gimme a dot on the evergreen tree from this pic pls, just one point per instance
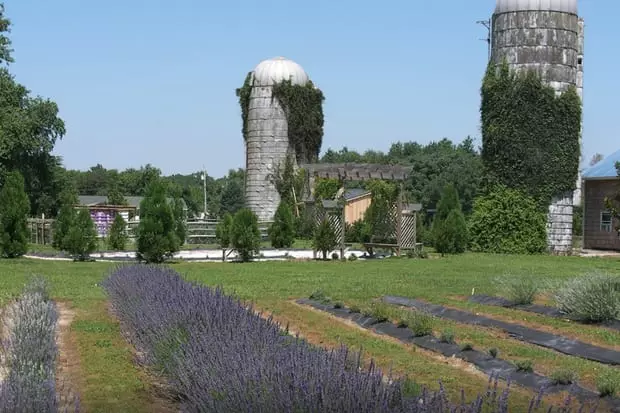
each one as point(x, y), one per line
point(282, 231)
point(64, 219)
point(81, 240)
point(14, 207)
point(115, 196)
point(449, 226)
point(245, 234)
point(325, 238)
point(156, 239)
point(118, 235)
point(222, 233)
point(180, 220)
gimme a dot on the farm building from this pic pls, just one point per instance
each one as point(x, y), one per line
point(599, 182)
point(356, 202)
point(103, 214)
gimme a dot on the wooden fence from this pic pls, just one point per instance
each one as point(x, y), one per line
point(198, 231)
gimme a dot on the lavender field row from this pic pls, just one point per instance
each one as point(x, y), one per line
point(217, 355)
point(29, 353)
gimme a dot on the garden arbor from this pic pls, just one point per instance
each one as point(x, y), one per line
point(397, 229)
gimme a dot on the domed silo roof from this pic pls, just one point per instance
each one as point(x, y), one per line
point(566, 6)
point(272, 71)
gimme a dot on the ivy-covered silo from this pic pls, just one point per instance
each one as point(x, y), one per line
point(282, 115)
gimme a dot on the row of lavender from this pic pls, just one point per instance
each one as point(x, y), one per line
point(218, 355)
point(29, 354)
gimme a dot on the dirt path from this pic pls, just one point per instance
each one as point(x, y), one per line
point(68, 363)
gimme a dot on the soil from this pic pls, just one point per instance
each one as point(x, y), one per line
point(68, 364)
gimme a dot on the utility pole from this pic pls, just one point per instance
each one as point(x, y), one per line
point(487, 24)
point(204, 185)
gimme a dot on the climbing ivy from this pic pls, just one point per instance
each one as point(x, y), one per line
point(613, 203)
point(303, 106)
point(243, 93)
point(530, 136)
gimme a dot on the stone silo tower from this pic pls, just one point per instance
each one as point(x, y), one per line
point(266, 130)
point(545, 36)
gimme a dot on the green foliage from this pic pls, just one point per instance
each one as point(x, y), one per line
point(324, 238)
point(14, 209)
point(243, 93)
point(563, 376)
point(608, 384)
point(117, 240)
point(613, 203)
point(449, 226)
point(233, 197)
point(467, 347)
point(156, 239)
point(507, 222)
point(245, 234)
point(447, 336)
point(222, 231)
point(378, 215)
point(180, 219)
point(5, 42)
point(290, 183)
point(578, 220)
point(359, 231)
point(520, 289)
point(326, 188)
point(303, 106)
point(526, 366)
point(64, 219)
point(530, 137)
point(493, 352)
point(590, 298)
point(282, 231)
point(81, 240)
point(115, 196)
point(421, 324)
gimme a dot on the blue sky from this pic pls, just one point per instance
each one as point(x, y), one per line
point(154, 81)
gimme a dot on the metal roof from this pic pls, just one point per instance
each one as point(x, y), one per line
point(605, 169)
point(132, 201)
point(566, 6)
point(272, 71)
point(355, 193)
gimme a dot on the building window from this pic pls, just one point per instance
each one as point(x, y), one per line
point(606, 221)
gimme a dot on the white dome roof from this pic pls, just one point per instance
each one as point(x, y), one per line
point(567, 6)
point(272, 71)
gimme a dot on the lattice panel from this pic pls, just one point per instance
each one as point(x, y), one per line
point(409, 229)
point(335, 221)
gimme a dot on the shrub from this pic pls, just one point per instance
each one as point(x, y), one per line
point(324, 238)
point(607, 385)
point(81, 240)
point(493, 352)
point(447, 336)
point(15, 207)
point(507, 222)
point(449, 226)
point(320, 296)
point(64, 219)
point(526, 366)
point(31, 354)
point(591, 298)
point(156, 239)
point(381, 311)
point(117, 239)
point(421, 324)
point(520, 289)
point(227, 355)
point(222, 231)
point(245, 235)
point(180, 220)
point(335, 256)
point(563, 376)
point(282, 231)
point(359, 231)
point(467, 347)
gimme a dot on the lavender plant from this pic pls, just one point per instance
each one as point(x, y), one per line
point(218, 355)
point(29, 353)
point(591, 298)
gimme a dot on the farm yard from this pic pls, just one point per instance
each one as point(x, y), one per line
point(100, 361)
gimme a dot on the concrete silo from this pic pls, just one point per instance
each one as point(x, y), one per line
point(545, 36)
point(267, 142)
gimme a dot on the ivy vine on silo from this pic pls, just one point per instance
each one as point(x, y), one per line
point(303, 105)
point(243, 93)
point(530, 136)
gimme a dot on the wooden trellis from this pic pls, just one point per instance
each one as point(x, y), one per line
point(399, 227)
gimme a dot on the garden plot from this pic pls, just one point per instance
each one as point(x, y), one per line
point(29, 355)
point(490, 364)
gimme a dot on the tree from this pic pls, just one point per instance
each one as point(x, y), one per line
point(507, 221)
point(449, 226)
point(81, 240)
point(14, 207)
point(613, 203)
point(5, 42)
point(222, 233)
point(180, 219)
point(64, 219)
point(596, 158)
point(245, 234)
point(118, 235)
point(325, 238)
point(115, 196)
point(156, 239)
point(378, 216)
point(233, 197)
point(282, 230)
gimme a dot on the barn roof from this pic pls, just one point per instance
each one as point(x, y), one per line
point(101, 200)
point(605, 169)
point(353, 193)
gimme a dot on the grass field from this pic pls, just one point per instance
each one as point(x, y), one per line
point(108, 379)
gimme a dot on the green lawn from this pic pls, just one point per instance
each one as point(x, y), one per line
point(110, 381)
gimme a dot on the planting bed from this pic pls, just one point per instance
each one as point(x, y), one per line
point(540, 338)
point(218, 355)
point(532, 308)
point(494, 367)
